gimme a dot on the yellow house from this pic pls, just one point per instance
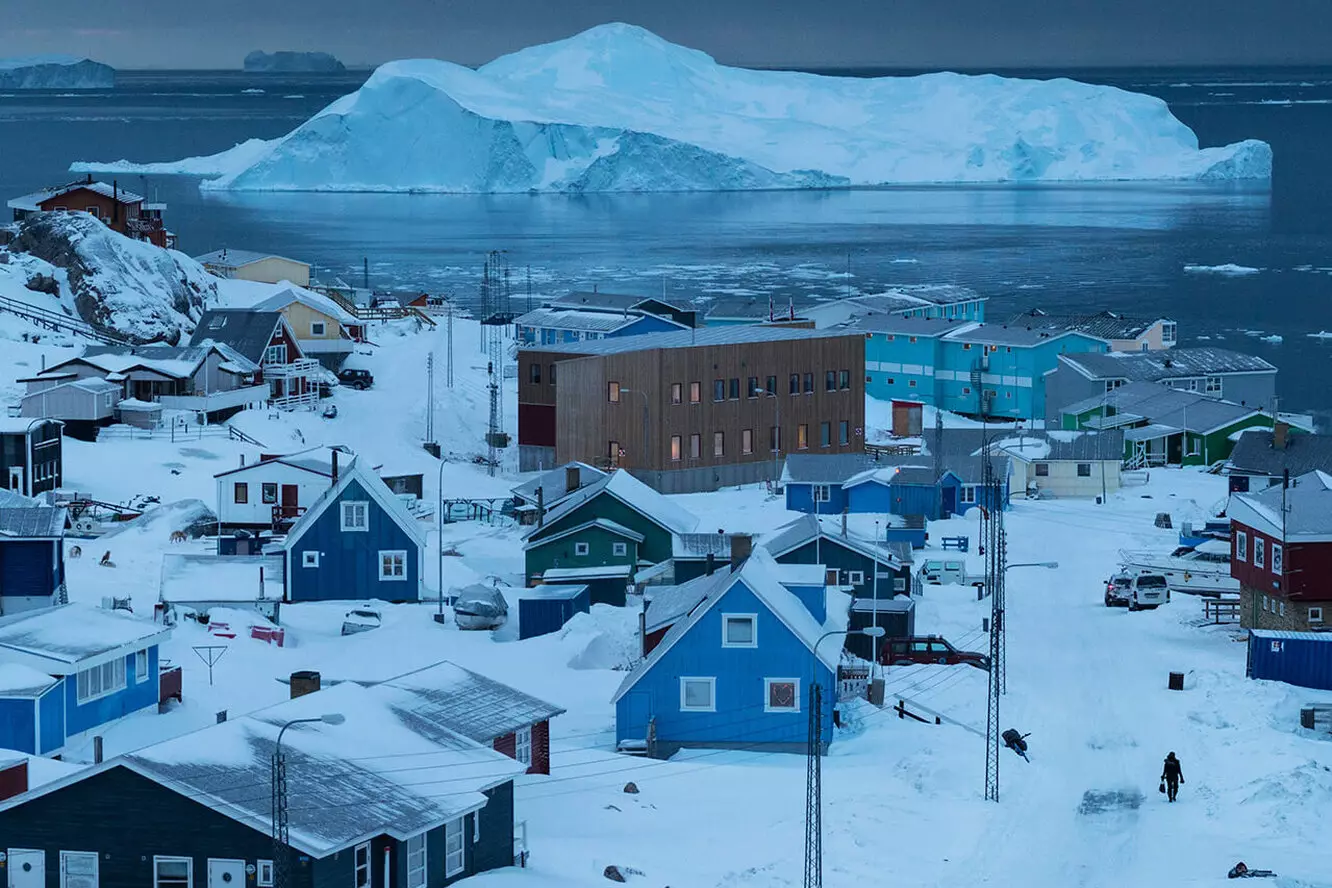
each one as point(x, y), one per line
point(324, 329)
point(247, 265)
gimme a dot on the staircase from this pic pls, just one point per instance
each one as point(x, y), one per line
point(378, 313)
point(53, 320)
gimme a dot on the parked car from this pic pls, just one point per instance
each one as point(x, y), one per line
point(928, 649)
point(361, 619)
point(944, 572)
point(1118, 590)
point(1149, 591)
point(357, 379)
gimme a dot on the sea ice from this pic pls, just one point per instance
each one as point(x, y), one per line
point(1227, 270)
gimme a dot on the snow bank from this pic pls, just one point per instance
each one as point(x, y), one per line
point(1227, 270)
point(55, 72)
point(617, 108)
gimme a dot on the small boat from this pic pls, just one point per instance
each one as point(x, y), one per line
point(1201, 570)
point(361, 619)
point(480, 607)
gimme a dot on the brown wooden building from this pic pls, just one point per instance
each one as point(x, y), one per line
point(119, 210)
point(694, 410)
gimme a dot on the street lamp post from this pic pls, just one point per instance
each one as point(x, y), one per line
point(439, 523)
point(777, 436)
point(281, 832)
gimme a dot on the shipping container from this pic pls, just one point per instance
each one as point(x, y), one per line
point(897, 616)
point(1299, 658)
point(545, 609)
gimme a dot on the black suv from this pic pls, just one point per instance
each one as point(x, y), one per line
point(357, 379)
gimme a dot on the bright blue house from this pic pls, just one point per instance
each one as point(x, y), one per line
point(904, 485)
point(67, 672)
point(557, 324)
point(32, 554)
point(357, 541)
point(734, 673)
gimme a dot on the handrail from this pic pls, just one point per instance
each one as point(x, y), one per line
point(57, 321)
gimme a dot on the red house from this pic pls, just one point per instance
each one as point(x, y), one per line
point(1281, 552)
point(120, 210)
point(267, 339)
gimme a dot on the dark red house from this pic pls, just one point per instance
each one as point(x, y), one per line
point(1281, 552)
point(120, 210)
point(265, 338)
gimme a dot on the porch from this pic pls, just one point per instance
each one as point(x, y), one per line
point(212, 402)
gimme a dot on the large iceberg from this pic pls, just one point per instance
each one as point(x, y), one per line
point(617, 108)
point(55, 72)
point(289, 62)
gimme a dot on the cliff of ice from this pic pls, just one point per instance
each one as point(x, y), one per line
point(292, 62)
point(617, 108)
point(55, 72)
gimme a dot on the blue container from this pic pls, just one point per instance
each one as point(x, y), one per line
point(545, 609)
point(913, 535)
point(1298, 658)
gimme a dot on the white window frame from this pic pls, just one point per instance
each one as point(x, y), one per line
point(416, 873)
point(753, 628)
point(1213, 385)
point(83, 687)
point(454, 830)
point(711, 682)
point(822, 493)
point(310, 559)
point(476, 827)
point(1259, 552)
point(968, 494)
point(263, 873)
point(1267, 603)
point(158, 860)
point(140, 666)
point(1278, 560)
point(855, 577)
point(318, 328)
point(619, 550)
point(1281, 604)
point(358, 869)
point(349, 514)
point(1241, 546)
point(88, 855)
point(275, 354)
point(767, 695)
point(1087, 473)
point(1315, 615)
point(397, 572)
point(582, 550)
point(522, 746)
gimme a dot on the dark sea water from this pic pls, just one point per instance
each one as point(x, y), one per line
point(1119, 247)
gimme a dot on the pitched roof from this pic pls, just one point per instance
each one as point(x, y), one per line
point(604, 523)
point(1005, 334)
point(1160, 405)
point(374, 486)
point(71, 633)
point(32, 521)
point(1054, 446)
point(1254, 454)
point(479, 708)
point(707, 336)
point(228, 258)
point(666, 604)
point(827, 468)
point(30, 201)
point(176, 361)
point(897, 325)
point(1307, 505)
point(634, 494)
point(701, 545)
point(760, 575)
point(1152, 366)
point(752, 308)
point(585, 321)
point(552, 483)
point(20, 680)
point(1103, 325)
point(316, 301)
point(91, 386)
point(248, 332)
point(604, 301)
point(318, 460)
point(807, 528)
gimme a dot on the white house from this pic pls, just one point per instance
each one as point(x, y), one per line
point(274, 490)
point(1064, 464)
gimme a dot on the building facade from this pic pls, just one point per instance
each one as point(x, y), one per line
point(1125, 334)
point(120, 210)
point(32, 556)
point(31, 455)
point(248, 265)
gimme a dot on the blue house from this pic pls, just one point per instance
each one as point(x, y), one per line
point(864, 568)
point(357, 541)
point(67, 672)
point(734, 673)
point(900, 485)
point(32, 554)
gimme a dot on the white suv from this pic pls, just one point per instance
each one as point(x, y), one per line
point(1150, 591)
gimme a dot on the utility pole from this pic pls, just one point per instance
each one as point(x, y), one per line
point(430, 398)
point(814, 791)
point(449, 374)
point(995, 555)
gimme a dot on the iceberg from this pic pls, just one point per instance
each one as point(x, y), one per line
point(55, 72)
point(292, 62)
point(617, 108)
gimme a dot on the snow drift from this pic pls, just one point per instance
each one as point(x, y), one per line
point(55, 72)
point(617, 108)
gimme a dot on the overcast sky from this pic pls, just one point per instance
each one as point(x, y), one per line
point(811, 33)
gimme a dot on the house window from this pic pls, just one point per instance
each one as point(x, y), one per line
point(309, 559)
point(794, 386)
point(733, 388)
point(770, 387)
point(317, 328)
point(582, 549)
point(1278, 558)
point(809, 383)
point(534, 374)
point(1315, 615)
point(613, 392)
point(774, 438)
point(613, 452)
point(99, 681)
point(1281, 607)
point(695, 392)
point(140, 666)
point(1259, 555)
point(825, 434)
point(1213, 386)
point(416, 861)
point(739, 630)
point(968, 494)
point(746, 440)
point(264, 874)
point(552, 374)
point(966, 346)
point(240, 493)
point(269, 493)
point(830, 381)
point(719, 390)
point(911, 383)
point(175, 872)
point(718, 444)
point(751, 387)
point(822, 493)
point(522, 746)
point(677, 393)
point(1168, 332)
point(1084, 470)
point(802, 436)
point(619, 550)
point(911, 339)
point(899, 584)
point(677, 448)
point(891, 380)
point(1042, 470)
point(698, 695)
point(275, 354)
point(356, 515)
point(393, 565)
point(78, 869)
point(695, 446)
point(844, 379)
point(781, 695)
point(844, 432)
point(454, 859)
point(361, 866)
point(1241, 546)
point(1267, 603)
point(855, 577)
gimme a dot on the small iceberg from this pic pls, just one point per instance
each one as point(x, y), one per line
point(1321, 334)
point(252, 92)
point(1273, 338)
point(1227, 270)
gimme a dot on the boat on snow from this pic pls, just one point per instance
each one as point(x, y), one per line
point(1201, 570)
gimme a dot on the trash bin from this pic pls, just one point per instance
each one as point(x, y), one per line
point(1307, 718)
point(1098, 501)
point(1177, 681)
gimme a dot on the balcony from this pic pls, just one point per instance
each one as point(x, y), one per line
point(215, 401)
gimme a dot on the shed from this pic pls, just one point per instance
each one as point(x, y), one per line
point(140, 414)
point(605, 584)
point(546, 608)
point(1299, 658)
point(897, 616)
point(201, 582)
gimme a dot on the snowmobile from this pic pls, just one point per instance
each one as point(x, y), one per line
point(1016, 742)
point(1241, 871)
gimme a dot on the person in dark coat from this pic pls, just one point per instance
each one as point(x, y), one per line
point(1172, 775)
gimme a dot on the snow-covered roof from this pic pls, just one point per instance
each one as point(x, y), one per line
point(228, 258)
point(374, 485)
point(601, 572)
point(318, 460)
point(604, 523)
point(72, 633)
point(316, 301)
point(1005, 334)
point(807, 528)
point(634, 494)
point(190, 578)
point(761, 577)
point(1151, 366)
point(248, 331)
point(1255, 454)
point(666, 604)
point(706, 336)
point(30, 202)
point(1307, 506)
point(553, 483)
point(19, 425)
point(20, 680)
point(701, 545)
point(596, 299)
point(91, 386)
point(828, 468)
point(576, 319)
point(38, 521)
point(553, 591)
point(897, 325)
point(1164, 406)
point(1103, 325)
point(1054, 446)
point(174, 361)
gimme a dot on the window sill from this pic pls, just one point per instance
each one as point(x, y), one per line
point(392, 579)
point(698, 709)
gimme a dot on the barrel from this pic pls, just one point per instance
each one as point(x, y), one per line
point(1177, 681)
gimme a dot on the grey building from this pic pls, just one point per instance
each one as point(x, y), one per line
point(1218, 373)
point(1262, 457)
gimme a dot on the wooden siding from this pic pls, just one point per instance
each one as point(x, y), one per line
point(300, 316)
point(837, 557)
point(30, 568)
point(1305, 567)
point(656, 545)
point(273, 270)
point(132, 698)
point(601, 552)
point(508, 745)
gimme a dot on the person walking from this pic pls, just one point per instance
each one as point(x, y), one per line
point(1172, 775)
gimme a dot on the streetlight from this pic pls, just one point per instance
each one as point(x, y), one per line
point(281, 833)
point(439, 523)
point(647, 428)
point(776, 438)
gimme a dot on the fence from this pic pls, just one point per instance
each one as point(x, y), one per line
point(173, 432)
point(52, 320)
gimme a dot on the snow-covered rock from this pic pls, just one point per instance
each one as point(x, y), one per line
point(618, 108)
point(131, 287)
point(55, 72)
point(293, 62)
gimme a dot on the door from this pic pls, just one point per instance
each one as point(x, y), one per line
point(226, 873)
point(78, 869)
point(949, 501)
point(27, 869)
point(16, 478)
point(289, 500)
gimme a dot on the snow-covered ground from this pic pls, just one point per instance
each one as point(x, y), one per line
point(902, 800)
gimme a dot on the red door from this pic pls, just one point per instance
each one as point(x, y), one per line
point(289, 502)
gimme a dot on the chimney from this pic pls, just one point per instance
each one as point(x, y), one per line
point(335, 468)
point(306, 681)
point(14, 780)
point(1280, 435)
point(541, 506)
point(710, 565)
point(97, 750)
point(221, 716)
point(843, 522)
point(741, 545)
point(571, 477)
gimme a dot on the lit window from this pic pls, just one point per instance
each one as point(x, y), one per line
point(355, 515)
point(698, 694)
point(393, 565)
point(613, 392)
point(677, 448)
point(781, 695)
point(802, 437)
point(522, 746)
point(739, 630)
point(582, 549)
point(416, 861)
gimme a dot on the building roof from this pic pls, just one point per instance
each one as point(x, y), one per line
point(91, 386)
point(374, 486)
point(318, 460)
point(761, 576)
point(552, 483)
point(807, 528)
point(701, 545)
point(35, 521)
point(753, 308)
point(315, 301)
point(1006, 334)
point(553, 591)
point(604, 523)
point(897, 325)
point(190, 578)
point(228, 258)
point(1102, 325)
point(71, 633)
point(608, 301)
point(707, 336)
point(1153, 366)
point(575, 319)
point(19, 425)
point(1161, 405)
point(1286, 635)
point(634, 494)
point(883, 605)
point(20, 680)
point(30, 201)
point(559, 575)
point(247, 331)
point(827, 468)
point(1055, 446)
point(1307, 506)
point(1255, 455)
point(667, 604)
point(174, 361)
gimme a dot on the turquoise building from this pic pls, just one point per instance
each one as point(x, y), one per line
point(963, 366)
